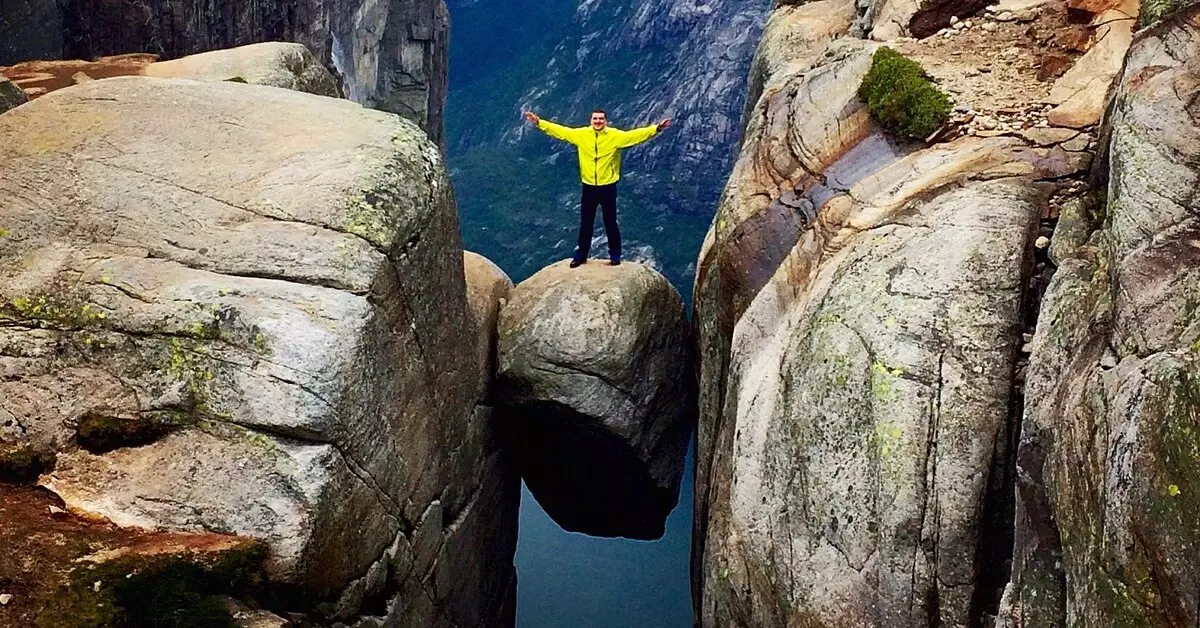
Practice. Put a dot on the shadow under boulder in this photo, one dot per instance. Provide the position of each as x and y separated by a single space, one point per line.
597 395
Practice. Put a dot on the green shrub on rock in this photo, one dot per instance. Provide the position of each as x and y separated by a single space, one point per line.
901 97
1155 11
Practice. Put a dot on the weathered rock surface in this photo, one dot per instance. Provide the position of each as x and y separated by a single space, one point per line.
596 381
488 289
61 570
290 66
1080 95
256 316
859 303
1108 528
10 95
867 413
387 55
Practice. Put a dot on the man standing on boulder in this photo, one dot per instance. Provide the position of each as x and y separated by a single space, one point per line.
599 148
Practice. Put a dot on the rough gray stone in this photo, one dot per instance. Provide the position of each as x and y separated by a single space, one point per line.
1108 523
274 280
10 95
866 415
596 381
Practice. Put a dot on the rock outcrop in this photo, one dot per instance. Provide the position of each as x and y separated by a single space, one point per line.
596 385
10 95
289 66
388 56
859 302
1108 528
276 64
252 319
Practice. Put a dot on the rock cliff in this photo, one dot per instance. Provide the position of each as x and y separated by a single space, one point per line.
387 55
862 304
1108 532
253 320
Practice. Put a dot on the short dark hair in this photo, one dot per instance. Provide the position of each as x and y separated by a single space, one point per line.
600 111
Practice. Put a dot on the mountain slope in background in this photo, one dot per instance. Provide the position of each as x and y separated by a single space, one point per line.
641 61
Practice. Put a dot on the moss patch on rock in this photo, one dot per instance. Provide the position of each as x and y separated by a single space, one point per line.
901 97
150 589
23 465
1155 11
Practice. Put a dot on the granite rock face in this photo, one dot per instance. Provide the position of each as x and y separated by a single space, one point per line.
859 303
253 320
387 55
595 379
1108 528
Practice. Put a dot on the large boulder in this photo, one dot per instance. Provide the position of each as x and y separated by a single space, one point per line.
596 383
1108 529
241 309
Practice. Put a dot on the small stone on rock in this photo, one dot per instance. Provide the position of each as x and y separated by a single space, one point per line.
5 598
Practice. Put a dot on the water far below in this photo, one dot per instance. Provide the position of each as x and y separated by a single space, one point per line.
570 579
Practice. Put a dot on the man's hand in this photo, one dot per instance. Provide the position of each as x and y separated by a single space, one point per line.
663 125
532 117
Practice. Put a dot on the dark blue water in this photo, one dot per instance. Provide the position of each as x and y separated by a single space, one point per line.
570 580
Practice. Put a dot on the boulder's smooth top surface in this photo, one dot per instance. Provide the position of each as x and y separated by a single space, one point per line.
238 308
596 382
277 64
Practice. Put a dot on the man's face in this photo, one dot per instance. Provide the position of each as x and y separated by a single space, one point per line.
599 121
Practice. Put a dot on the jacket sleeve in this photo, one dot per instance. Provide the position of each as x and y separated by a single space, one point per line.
558 131
633 137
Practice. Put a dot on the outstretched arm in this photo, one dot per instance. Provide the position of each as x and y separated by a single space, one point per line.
557 131
634 137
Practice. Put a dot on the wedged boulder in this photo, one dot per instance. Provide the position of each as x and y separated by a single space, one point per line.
10 95
488 290
1108 528
277 64
596 383
241 309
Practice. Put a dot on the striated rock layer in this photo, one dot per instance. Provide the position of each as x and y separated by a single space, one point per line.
596 382
241 309
1108 524
387 55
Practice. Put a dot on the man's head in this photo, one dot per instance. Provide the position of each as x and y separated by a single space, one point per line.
599 119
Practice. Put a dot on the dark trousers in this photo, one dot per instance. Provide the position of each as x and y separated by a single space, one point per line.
606 197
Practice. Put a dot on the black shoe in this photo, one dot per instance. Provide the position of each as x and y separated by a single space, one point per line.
577 262
616 261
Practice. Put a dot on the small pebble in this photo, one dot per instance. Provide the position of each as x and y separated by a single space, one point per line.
953 20
5 598
1042 242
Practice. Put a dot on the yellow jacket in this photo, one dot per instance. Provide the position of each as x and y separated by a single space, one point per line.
599 151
